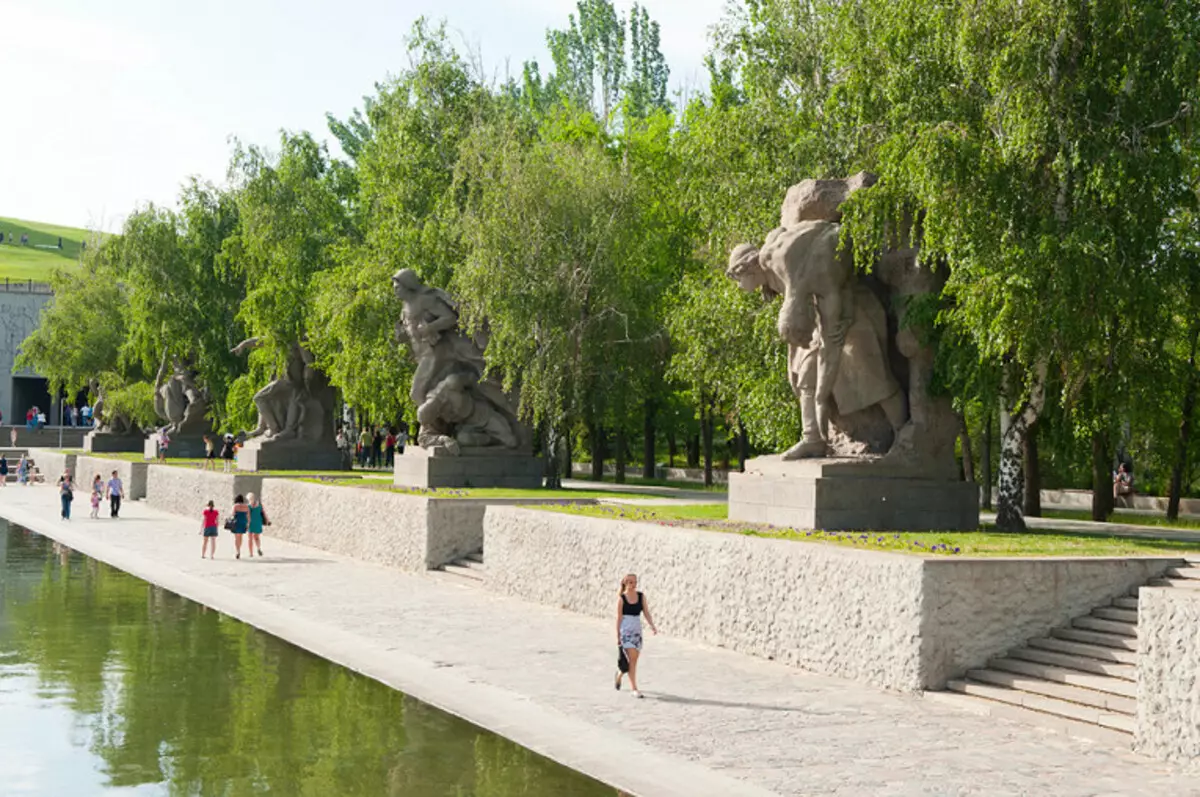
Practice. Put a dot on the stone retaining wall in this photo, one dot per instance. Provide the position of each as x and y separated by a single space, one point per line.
411 532
51 464
132 474
1168 698
1082 499
897 621
185 491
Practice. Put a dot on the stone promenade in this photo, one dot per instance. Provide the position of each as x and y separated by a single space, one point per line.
714 722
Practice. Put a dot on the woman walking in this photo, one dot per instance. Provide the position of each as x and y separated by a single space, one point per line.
3 471
631 605
241 520
210 453
66 493
208 527
23 471
97 492
258 519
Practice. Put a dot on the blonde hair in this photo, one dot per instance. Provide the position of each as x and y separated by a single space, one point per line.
624 579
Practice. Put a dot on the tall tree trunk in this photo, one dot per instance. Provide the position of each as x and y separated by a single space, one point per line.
1033 474
671 447
597 440
968 460
1185 429
1010 498
620 454
1102 483
693 450
706 428
649 442
727 452
552 450
985 460
743 447
568 469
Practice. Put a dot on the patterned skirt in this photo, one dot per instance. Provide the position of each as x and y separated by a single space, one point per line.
631 632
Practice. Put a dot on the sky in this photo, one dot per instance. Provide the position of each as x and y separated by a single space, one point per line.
107 106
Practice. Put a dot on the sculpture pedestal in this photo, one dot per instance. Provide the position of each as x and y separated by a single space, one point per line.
844 494
474 467
106 442
182 447
304 455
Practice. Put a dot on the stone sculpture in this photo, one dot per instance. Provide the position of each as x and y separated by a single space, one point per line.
457 406
113 422
298 404
179 401
860 373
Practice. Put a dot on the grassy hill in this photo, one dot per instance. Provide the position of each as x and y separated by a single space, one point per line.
41 255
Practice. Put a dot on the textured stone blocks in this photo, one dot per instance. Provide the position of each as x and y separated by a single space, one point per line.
185 491
1168 697
416 467
819 494
259 454
132 474
102 442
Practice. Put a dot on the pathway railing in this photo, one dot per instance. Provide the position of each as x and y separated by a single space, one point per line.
25 286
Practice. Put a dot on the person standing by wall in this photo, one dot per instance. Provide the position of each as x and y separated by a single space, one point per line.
208 527
241 521
66 493
364 446
3 471
631 605
116 491
258 519
23 471
210 453
227 452
389 449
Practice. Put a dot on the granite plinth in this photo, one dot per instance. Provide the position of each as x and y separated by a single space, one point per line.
473 467
259 454
107 442
181 447
849 494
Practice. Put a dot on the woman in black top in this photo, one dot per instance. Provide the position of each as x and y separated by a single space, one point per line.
227 452
630 606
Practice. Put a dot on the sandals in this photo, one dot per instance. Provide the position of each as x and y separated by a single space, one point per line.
617 683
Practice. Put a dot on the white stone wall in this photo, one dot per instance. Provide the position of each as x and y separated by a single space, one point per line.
186 491
854 614
897 621
376 526
1168 699
975 609
19 313
51 464
132 474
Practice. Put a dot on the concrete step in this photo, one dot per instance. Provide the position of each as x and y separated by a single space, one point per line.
463 572
1178 583
1064 675
1107 626
1115 613
1096 638
477 556
1128 602
1118 740
1081 663
1047 705
1075 694
1184 572
1114 655
478 567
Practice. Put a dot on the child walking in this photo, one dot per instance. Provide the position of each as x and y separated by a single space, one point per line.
208 527
97 492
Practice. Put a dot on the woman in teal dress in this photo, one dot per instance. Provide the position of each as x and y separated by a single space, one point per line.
258 519
241 520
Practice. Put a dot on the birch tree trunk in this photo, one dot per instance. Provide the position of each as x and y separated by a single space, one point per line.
1010 495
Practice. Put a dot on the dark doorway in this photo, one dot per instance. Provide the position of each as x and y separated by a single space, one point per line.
30 391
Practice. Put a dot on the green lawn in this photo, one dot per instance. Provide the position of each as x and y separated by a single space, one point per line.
985 542
1128 518
32 262
540 493
636 481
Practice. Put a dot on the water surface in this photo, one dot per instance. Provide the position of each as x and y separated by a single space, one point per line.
111 686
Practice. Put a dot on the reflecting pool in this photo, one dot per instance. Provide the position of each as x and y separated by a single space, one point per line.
111 686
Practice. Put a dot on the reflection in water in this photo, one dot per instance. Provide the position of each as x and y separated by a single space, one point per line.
109 685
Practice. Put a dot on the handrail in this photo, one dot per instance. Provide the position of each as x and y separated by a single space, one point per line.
25 286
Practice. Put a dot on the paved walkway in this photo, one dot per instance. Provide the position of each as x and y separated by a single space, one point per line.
714 723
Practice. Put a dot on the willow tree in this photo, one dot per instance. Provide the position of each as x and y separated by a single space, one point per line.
1040 143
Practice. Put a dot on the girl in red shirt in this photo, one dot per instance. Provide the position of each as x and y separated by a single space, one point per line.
209 526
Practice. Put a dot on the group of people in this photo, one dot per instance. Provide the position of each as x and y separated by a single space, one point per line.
113 490
248 518
76 416
227 453
376 445
24 471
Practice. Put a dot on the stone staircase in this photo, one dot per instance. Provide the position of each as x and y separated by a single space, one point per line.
14 459
1081 678
467 570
